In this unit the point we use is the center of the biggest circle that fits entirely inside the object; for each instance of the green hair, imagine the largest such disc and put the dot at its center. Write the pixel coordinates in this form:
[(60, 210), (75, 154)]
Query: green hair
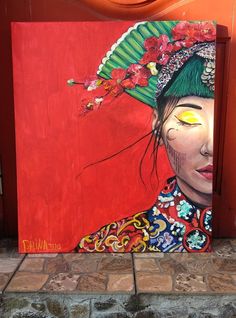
[(188, 81)]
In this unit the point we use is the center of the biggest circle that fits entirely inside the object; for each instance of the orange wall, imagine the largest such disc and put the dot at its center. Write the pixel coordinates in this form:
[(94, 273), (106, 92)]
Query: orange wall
[(76, 10)]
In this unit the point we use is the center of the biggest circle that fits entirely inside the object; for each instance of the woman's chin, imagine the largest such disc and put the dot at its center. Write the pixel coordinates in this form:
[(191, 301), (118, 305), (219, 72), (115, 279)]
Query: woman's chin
[(197, 182), (203, 182), (205, 190)]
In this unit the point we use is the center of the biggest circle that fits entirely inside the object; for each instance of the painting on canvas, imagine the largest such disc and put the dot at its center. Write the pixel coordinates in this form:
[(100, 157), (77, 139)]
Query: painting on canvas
[(114, 135)]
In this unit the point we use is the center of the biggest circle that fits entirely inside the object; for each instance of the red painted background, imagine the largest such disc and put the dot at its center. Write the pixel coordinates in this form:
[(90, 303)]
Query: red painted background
[(56, 203)]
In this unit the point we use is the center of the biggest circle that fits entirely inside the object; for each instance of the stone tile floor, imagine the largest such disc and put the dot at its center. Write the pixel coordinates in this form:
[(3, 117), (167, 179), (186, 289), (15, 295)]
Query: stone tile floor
[(10, 260), (212, 273)]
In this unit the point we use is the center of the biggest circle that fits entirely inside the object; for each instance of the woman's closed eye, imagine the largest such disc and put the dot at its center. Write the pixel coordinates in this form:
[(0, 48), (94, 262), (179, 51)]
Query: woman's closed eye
[(189, 118)]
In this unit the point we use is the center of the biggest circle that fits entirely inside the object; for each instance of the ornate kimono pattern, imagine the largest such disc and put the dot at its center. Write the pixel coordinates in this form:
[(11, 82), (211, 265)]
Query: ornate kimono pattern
[(173, 224)]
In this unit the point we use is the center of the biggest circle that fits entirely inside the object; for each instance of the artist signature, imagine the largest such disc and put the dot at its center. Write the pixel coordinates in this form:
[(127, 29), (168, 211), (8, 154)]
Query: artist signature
[(40, 245)]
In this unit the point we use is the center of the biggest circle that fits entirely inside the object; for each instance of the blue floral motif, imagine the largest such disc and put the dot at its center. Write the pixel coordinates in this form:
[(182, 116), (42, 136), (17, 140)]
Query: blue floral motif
[(166, 200), (160, 238), (167, 234), (167, 239), (185, 210), (178, 230), (208, 221), (196, 240)]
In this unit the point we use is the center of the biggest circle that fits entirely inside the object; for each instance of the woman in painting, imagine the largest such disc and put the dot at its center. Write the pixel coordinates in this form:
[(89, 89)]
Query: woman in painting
[(170, 67)]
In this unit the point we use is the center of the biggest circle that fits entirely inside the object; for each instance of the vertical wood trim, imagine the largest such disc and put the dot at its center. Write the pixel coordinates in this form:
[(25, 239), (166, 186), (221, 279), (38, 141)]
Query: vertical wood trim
[(221, 80)]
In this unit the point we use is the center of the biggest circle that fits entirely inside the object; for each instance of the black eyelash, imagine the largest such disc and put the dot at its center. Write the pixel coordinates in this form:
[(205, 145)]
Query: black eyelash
[(184, 123)]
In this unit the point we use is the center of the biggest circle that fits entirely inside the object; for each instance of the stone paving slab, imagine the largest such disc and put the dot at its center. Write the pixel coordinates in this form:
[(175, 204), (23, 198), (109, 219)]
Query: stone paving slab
[(10, 259), (195, 273), (158, 273), (75, 273)]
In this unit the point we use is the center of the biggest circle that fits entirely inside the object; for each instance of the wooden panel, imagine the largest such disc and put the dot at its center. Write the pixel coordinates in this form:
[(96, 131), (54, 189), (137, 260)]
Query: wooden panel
[(221, 82), (10, 10), (1, 200)]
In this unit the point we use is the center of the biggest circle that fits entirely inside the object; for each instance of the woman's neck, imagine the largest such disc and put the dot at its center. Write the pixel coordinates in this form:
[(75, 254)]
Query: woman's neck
[(198, 198)]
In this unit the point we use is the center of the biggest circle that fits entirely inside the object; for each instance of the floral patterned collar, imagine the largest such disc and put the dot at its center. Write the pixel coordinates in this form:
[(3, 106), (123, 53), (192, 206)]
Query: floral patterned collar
[(177, 222)]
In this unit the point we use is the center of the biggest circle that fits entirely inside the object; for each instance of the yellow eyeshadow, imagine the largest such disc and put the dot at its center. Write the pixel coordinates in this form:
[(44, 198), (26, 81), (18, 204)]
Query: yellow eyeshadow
[(190, 117)]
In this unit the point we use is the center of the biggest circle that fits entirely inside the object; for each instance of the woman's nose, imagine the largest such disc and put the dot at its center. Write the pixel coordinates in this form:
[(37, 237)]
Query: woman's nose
[(207, 147)]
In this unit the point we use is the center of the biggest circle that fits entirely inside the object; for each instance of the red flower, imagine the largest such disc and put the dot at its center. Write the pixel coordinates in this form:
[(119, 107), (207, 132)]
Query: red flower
[(156, 47), (151, 42), (118, 73), (92, 98), (89, 103), (114, 85), (191, 33), (177, 45), (163, 59), (149, 56), (206, 31), (187, 43), (122, 79), (159, 43), (138, 75), (169, 47), (101, 91), (182, 31)]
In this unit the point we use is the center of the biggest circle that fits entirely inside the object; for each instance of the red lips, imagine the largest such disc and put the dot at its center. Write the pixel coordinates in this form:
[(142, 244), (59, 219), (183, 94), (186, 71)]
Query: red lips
[(206, 172)]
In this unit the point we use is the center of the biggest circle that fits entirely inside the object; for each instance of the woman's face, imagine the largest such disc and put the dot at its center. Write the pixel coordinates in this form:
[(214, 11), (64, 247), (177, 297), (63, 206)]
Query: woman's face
[(188, 136)]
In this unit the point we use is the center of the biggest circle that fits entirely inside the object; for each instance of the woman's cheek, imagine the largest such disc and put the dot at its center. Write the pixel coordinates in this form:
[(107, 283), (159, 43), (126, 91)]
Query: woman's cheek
[(172, 134), (186, 139), (183, 146), (176, 151), (176, 158)]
